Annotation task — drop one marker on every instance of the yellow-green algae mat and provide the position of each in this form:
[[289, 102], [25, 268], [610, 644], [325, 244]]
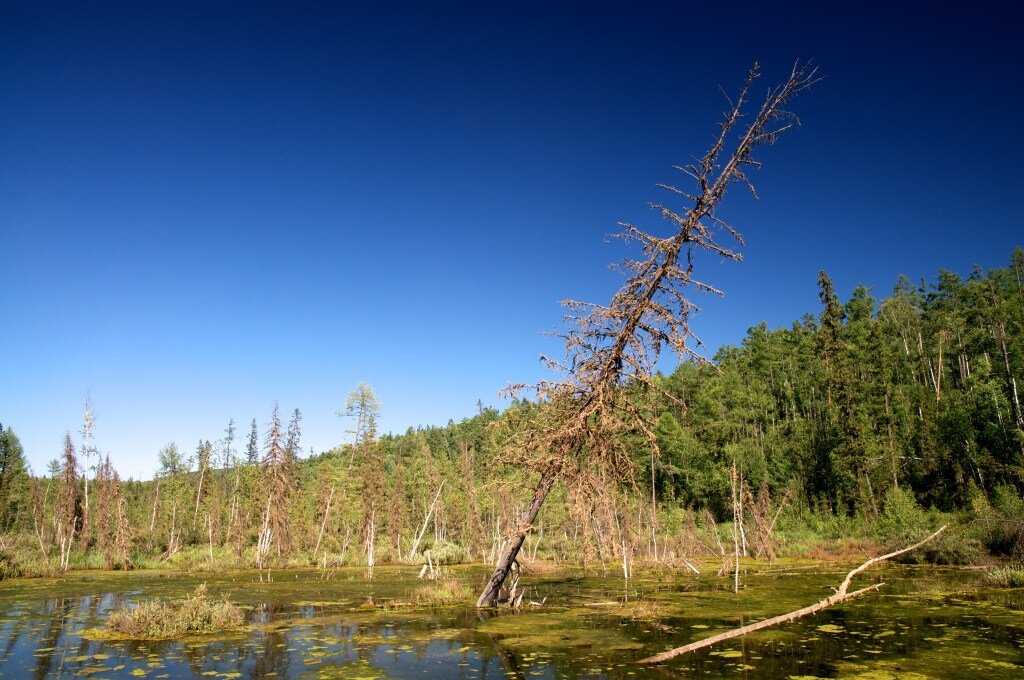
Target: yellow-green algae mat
[[925, 623]]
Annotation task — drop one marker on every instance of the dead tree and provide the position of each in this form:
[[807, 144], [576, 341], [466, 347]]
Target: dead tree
[[67, 513], [841, 595], [585, 412], [277, 475]]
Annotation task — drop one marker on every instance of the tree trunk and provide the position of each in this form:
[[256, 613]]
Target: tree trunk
[[840, 595], [426, 521], [489, 596], [323, 525]]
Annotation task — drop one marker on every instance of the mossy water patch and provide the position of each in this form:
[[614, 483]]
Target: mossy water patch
[[557, 630], [924, 621]]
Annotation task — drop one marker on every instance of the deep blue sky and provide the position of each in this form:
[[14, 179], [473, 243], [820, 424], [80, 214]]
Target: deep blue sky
[[204, 209]]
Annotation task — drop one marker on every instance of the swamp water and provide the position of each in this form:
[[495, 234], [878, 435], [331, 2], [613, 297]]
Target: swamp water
[[924, 622]]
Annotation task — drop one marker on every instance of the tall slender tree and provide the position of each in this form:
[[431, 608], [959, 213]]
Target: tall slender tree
[[88, 451], [68, 510], [252, 450], [277, 472], [292, 443], [229, 439], [846, 460], [363, 407]]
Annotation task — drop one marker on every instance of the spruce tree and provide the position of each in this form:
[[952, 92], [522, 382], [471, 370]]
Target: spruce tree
[[252, 450], [14, 479], [294, 436]]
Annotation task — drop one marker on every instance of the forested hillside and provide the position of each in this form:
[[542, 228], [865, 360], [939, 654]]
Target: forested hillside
[[845, 418]]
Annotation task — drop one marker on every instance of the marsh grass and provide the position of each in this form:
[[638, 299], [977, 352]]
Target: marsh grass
[[641, 610], [161, 619], [442, 593], [22, 559]]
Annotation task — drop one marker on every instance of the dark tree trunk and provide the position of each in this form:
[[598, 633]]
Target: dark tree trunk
[[489, 596]]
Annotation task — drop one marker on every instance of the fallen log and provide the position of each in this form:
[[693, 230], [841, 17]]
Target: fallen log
[[840, 595]]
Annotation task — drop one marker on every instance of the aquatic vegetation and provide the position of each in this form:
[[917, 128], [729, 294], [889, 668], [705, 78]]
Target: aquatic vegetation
[[1006, 577], [642, 610], [558, 631], [161, 619], [925, 621], [442, 593]]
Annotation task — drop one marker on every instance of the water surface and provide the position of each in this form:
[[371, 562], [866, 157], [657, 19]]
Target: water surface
[[925, 622]]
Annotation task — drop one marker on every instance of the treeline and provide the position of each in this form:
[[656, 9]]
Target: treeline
[[912, 397], [918, 390]]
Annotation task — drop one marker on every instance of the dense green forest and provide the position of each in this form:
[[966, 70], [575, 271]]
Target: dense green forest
[[859, 420]]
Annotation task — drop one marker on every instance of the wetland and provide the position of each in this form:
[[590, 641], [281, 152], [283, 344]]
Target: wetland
[[926, 622]]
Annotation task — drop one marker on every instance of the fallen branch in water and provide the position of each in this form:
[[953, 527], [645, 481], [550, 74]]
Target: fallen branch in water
[[840, 595]]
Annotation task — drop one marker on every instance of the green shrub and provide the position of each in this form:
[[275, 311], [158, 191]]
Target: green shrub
[[9, 568], [386, 554], [829, 525], [1006, 528], [446, 552], [160, 619], [955, 545], [902, 521]]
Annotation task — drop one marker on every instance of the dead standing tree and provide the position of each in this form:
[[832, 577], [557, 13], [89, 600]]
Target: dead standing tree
[[277, 474], [585, 413]]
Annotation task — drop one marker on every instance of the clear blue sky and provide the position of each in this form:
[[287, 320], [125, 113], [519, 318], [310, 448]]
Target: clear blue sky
[[207, 208]]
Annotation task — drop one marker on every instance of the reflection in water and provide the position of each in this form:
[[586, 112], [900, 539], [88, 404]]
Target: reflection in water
[[935, 623]]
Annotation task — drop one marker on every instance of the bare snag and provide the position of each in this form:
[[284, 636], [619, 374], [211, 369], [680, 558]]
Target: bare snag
[[607, 347]]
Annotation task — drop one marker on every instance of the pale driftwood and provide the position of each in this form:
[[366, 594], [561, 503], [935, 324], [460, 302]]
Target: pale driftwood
[[840, 595]]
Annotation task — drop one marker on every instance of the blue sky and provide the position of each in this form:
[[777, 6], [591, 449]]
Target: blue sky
[[205, 208]]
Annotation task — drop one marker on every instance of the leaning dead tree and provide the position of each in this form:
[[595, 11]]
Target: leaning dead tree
[[841, 595], [577, 434]]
